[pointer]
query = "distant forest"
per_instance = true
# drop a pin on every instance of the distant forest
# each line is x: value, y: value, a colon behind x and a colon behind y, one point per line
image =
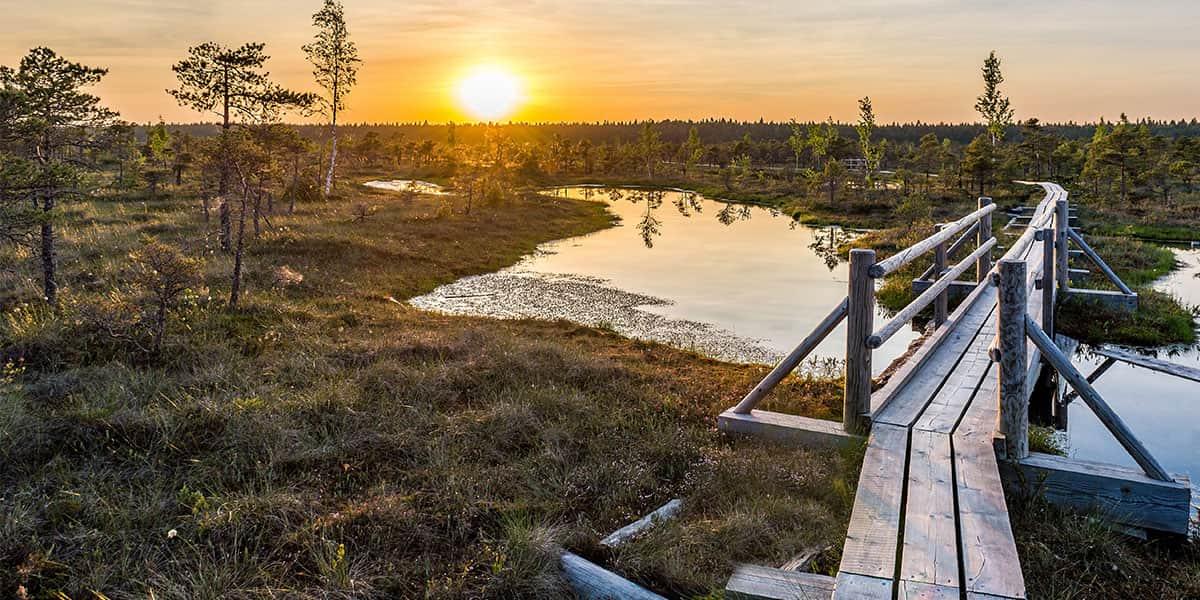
x: 712, y: 131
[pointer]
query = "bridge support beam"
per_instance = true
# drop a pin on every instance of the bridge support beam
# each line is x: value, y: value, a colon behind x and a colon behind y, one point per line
x: 860, y: 324
x: 1062, y: 252
x: 1013, y: 358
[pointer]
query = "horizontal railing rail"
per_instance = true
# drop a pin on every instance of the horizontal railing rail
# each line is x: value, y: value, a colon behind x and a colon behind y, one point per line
x: 955, y: 247
x: 884, y: 333
x: 894, y: 262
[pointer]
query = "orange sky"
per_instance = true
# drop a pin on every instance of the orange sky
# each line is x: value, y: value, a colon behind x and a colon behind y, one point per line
x: 617, y: 59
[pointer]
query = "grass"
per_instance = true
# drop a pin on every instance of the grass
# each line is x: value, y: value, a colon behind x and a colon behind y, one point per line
x: 326, y: 441
x: 1075, y: 556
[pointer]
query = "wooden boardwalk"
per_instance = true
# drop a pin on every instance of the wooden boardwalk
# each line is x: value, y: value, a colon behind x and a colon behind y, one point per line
x: 929, y: 518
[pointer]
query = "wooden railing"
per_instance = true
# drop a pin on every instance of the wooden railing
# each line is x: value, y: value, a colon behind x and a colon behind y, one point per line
x: 858, y: 309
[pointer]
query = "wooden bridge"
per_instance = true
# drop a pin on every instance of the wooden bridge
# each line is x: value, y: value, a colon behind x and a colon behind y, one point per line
x: 948, y: 430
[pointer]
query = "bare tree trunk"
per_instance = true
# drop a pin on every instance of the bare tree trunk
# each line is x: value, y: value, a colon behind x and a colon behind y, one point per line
x: 223, y: 234
x: 258, y: 194
x: 333, y: 149
x: 236, y: 287
x: 49, y: 284
x: 160, y: 324
x: 204, y: 203
x: 295, y: 185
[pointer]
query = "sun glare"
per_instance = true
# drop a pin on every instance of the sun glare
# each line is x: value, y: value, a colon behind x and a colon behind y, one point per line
x: 489, y: 93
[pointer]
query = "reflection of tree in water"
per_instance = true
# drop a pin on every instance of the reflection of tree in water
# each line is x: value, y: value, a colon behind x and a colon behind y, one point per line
x: 688, y: 203
x: 731, y: 213
x: 649, y: 226
x: 826, y: 244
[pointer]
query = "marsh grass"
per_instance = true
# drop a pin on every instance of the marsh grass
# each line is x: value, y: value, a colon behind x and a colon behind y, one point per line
x: 327, y: 441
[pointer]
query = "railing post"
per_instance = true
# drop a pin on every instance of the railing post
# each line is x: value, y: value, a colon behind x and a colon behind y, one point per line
x: 985, y: 233
x: 941, y: 306
x: 1048, y: 281
x: 860, y: 323
x: 1010, y: 333
x: 1062, y: 223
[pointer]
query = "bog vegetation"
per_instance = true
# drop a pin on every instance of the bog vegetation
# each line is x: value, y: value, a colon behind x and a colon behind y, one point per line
x: 212, y: 387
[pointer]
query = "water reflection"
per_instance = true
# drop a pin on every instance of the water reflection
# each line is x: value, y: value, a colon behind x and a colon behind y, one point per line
x: 734, y: 281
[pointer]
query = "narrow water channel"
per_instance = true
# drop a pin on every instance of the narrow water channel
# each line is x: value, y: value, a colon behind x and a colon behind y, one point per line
x: 732, y: 281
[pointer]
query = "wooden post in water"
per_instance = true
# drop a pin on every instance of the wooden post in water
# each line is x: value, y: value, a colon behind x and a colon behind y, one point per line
x: 985, y: 233
x: 1062, y: 224
x: 860, y: 323
x: 1048, y: 281
x: 941, y: 306
x: 1010, y: 334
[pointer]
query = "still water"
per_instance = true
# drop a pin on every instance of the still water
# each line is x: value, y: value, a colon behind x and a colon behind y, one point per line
x: 732, y: 281
x: 1163, y: 411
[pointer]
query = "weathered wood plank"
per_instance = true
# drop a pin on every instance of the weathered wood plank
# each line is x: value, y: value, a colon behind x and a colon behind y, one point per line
x: 1149, y: 362
x: 1010, y: 332
x: 850, y: 586
x: 790, y: 429
x: 592, y: 582
x: 914, y: 590
x: 874, y: 530
x: 752, y: 582
x: 661, y: 514
x: 989, y: 552
x: 902, y: 399
x: 930, y: 552
x: 1108, y: 298
x: 1125, y: 495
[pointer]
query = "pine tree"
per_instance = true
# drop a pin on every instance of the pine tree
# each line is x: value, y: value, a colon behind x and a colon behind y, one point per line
x: 992, y: 104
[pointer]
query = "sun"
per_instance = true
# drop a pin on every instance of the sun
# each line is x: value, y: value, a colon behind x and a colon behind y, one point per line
x: 489, y: 93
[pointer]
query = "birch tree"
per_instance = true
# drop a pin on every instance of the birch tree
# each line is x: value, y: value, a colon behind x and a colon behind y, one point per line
x: 335, y: 67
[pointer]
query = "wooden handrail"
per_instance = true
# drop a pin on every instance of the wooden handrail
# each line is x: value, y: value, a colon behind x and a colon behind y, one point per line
x: 793, y: 360
x: 955, y: 247
x: 1099, y: 407
x: 927, y: 297
x: 895, y: 261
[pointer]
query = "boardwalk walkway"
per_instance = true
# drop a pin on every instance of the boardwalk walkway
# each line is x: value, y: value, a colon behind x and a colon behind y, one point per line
x: 929, y: 515
x: 948, y: 431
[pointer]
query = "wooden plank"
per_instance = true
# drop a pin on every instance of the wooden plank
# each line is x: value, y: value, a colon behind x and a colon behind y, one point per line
x: 790, y: 429
x: 988, y: 549
x: 752, y: 582
x: 1125, y: 495
x: 913, y: 590
x: 947, y: 406
x: 591, y: 582
x: 661, y: 514
x: 1109, y: 298
x: 1148, y: 362
x: 874, y: 530
x: 801, y: 561
x: 901, y: 400
x: 791, y: 361
x: 930, y: 552
x: 850, y: 586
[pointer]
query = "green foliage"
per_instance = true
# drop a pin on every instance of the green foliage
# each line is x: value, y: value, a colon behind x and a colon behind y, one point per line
x: 993, y: 105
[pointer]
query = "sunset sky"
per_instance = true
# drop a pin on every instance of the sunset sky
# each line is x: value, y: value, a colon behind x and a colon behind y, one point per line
x: 623, y: 59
